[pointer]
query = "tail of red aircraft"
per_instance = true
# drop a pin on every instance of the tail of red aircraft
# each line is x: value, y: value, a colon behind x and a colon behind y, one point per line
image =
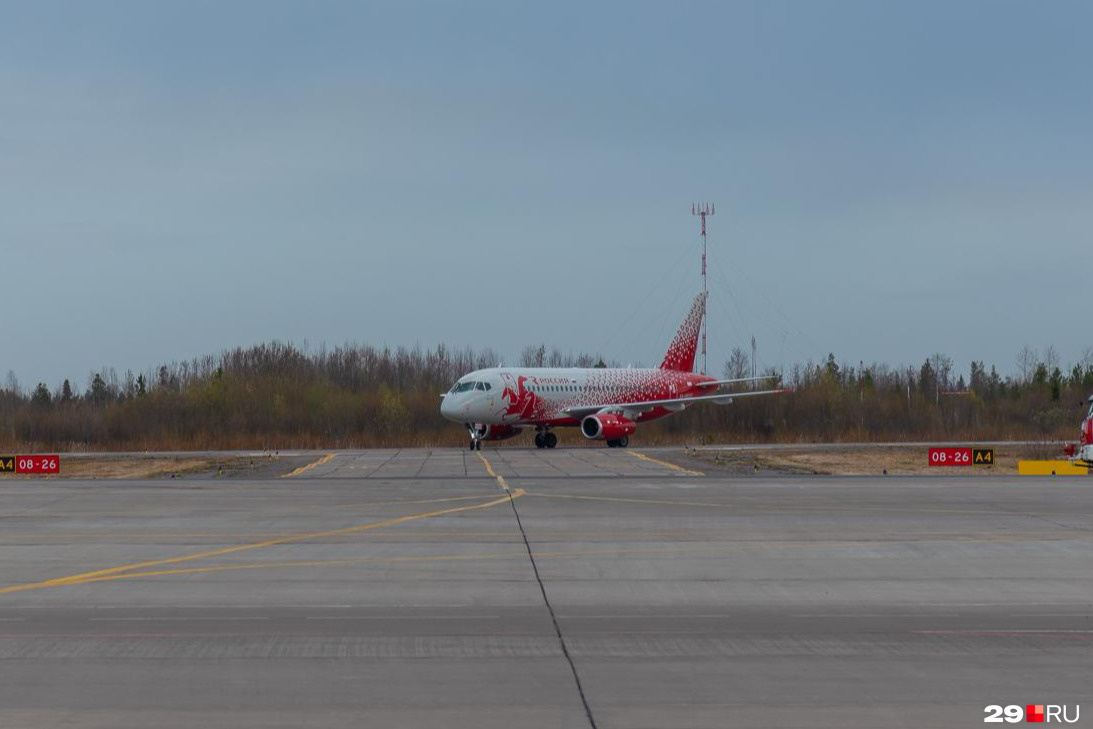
x: 681, y: 353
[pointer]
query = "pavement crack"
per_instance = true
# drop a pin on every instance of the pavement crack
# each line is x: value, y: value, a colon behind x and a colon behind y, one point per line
x: 428, y: 455
x: 377, y: 469
x: 553, y: 616
x: 553, y: 465
x: 1030, y: 515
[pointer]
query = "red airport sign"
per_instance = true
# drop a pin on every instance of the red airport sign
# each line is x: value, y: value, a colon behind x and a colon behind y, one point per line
x: 950, y: 456
x: 30, y: 464
x: 961, y: 456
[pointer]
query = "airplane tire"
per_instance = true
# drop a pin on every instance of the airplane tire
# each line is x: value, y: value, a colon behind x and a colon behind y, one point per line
x: 623, y: 441
x: 478, y: 445
x: 539, y: 441
x: 612, y: 444
x: 472, y: 444
x: 550, y: 440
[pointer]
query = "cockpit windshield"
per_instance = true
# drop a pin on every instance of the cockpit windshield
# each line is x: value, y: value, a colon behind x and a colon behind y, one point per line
x: 465, y: 386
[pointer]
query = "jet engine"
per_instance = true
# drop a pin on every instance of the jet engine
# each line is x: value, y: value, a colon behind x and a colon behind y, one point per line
x: 605, y: 426
x: 496, y: 432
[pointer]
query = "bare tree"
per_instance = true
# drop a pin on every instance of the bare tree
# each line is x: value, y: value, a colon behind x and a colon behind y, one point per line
x: 1087, y: 358
x: 1027, y: 360
x: 533, y: 355
x: 738, y: 364
x: 1050, y: 358
x: 943, y: 369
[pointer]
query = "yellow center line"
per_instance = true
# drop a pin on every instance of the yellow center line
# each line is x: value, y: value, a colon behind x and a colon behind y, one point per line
x: 489, y: 469
x: 659, y: 462
x: 328, y: 457
x: 89, y: 576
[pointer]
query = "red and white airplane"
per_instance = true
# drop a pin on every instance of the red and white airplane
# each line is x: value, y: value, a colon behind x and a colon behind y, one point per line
x: 607, y: 403
x: 1084, y: 448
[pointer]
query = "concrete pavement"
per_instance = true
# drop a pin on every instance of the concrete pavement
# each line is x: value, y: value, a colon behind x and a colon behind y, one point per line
x: 395, y: 588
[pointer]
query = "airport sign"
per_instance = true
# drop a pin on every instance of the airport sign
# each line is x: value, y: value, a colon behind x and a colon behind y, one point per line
x: 961, y: 456
x: 30, y: 464
x: 982, y: 456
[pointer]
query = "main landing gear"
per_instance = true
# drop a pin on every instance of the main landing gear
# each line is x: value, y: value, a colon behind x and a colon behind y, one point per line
x: 476, y: 445
x: 545, y: 439
x: 620, y: 443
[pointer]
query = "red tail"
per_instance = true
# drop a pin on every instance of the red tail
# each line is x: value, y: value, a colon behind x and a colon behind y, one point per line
x: 681, y: 353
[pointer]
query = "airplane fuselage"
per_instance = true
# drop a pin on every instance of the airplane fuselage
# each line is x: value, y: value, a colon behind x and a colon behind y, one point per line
x: 539, y: 396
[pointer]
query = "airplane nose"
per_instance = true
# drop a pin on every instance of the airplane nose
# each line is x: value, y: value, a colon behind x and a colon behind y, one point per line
x: 448, y: 409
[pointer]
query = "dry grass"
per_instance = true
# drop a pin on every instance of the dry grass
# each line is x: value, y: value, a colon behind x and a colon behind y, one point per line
x: 896, y: 461
x: 128, y: 467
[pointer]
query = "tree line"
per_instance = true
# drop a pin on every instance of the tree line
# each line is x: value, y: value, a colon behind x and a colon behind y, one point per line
x: 276, y: 395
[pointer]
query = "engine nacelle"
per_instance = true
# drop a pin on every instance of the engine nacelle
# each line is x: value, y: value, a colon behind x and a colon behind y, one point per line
x: 1086, y: 454
x: 605, y: 426
x: 496, y: 432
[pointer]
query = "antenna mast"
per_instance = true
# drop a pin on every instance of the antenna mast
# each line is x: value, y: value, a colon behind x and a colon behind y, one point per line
x: 702, y: 211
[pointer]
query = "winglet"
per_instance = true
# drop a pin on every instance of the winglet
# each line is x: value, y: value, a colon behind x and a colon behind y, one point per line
x: 681, y: 353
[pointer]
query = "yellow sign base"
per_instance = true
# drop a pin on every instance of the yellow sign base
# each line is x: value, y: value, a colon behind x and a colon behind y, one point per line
x: 1051, y: 468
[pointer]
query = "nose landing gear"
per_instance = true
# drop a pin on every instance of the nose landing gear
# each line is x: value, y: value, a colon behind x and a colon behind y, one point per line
x: 545, y: 439
x: 476, y: 435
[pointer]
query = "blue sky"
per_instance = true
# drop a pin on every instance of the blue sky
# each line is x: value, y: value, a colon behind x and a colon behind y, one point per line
x: 892, y: 180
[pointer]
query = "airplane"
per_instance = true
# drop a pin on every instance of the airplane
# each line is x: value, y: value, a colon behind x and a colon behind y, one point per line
x: 1086, y: 452
x: 606, y: 403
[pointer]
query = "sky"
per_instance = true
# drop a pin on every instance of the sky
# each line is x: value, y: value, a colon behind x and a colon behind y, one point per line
x: 891, y: 179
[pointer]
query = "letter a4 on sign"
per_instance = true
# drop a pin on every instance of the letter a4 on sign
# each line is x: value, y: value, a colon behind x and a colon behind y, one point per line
x: 1034, y: 713
x: 983, y: 456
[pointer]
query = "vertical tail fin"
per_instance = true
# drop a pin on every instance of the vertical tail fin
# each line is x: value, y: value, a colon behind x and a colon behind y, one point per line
x: 681, y: 353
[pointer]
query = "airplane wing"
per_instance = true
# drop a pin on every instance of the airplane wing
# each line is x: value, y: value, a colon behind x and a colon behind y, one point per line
x: 719, y: 383
x: 675, y: 403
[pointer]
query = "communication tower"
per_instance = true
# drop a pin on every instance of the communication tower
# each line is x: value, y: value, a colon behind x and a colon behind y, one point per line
x: 702, y: 210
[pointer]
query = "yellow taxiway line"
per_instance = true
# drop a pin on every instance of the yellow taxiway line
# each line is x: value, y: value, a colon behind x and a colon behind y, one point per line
x: 302, y: 469
x: 489, y: 469
x: 119, y: 572
x: 659, y: 462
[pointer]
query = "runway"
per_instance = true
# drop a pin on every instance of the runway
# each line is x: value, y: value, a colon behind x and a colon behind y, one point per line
x: 527, y: 588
